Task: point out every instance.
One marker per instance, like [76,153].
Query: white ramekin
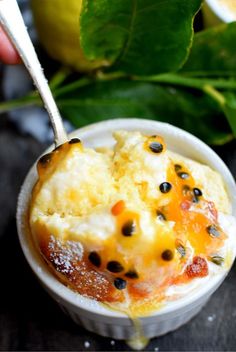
[91,314]
[215,12]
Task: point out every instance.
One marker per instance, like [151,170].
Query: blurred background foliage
[138,58]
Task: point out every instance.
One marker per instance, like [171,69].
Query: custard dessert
[133,226]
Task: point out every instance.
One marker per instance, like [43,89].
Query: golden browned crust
[68,261]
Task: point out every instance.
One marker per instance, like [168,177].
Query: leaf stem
[197,83]
[29,100]
[73,86]
[209,86]
[215,94]
[59,77]
[33,99]
[101,76]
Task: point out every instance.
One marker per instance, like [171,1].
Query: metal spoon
[13,24]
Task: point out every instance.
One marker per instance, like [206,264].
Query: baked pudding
[132,226]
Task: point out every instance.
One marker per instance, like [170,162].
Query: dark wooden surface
[30,320]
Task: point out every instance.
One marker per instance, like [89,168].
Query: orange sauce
[163,261]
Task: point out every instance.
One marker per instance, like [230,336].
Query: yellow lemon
[57,23]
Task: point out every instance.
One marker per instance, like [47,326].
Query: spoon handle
[13,24]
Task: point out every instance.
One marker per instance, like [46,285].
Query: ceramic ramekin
[216,12]
[91,314]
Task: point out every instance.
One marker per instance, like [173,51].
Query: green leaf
[213,52]
[197,113]
[139,37]
[229,108]
[226,102]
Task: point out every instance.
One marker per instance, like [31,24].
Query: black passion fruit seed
[183,175]
[95,259]
[114,267]
[128,228]
[160,215]
[181,250]
[167,255]
[217,259]
[197,192]
[156,147]
[213,231]
[120,283]
[74,141]
[165,187]
[178,167]
[45,159]
[195,199]
[132,274]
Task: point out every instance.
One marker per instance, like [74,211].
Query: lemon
[57,23]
